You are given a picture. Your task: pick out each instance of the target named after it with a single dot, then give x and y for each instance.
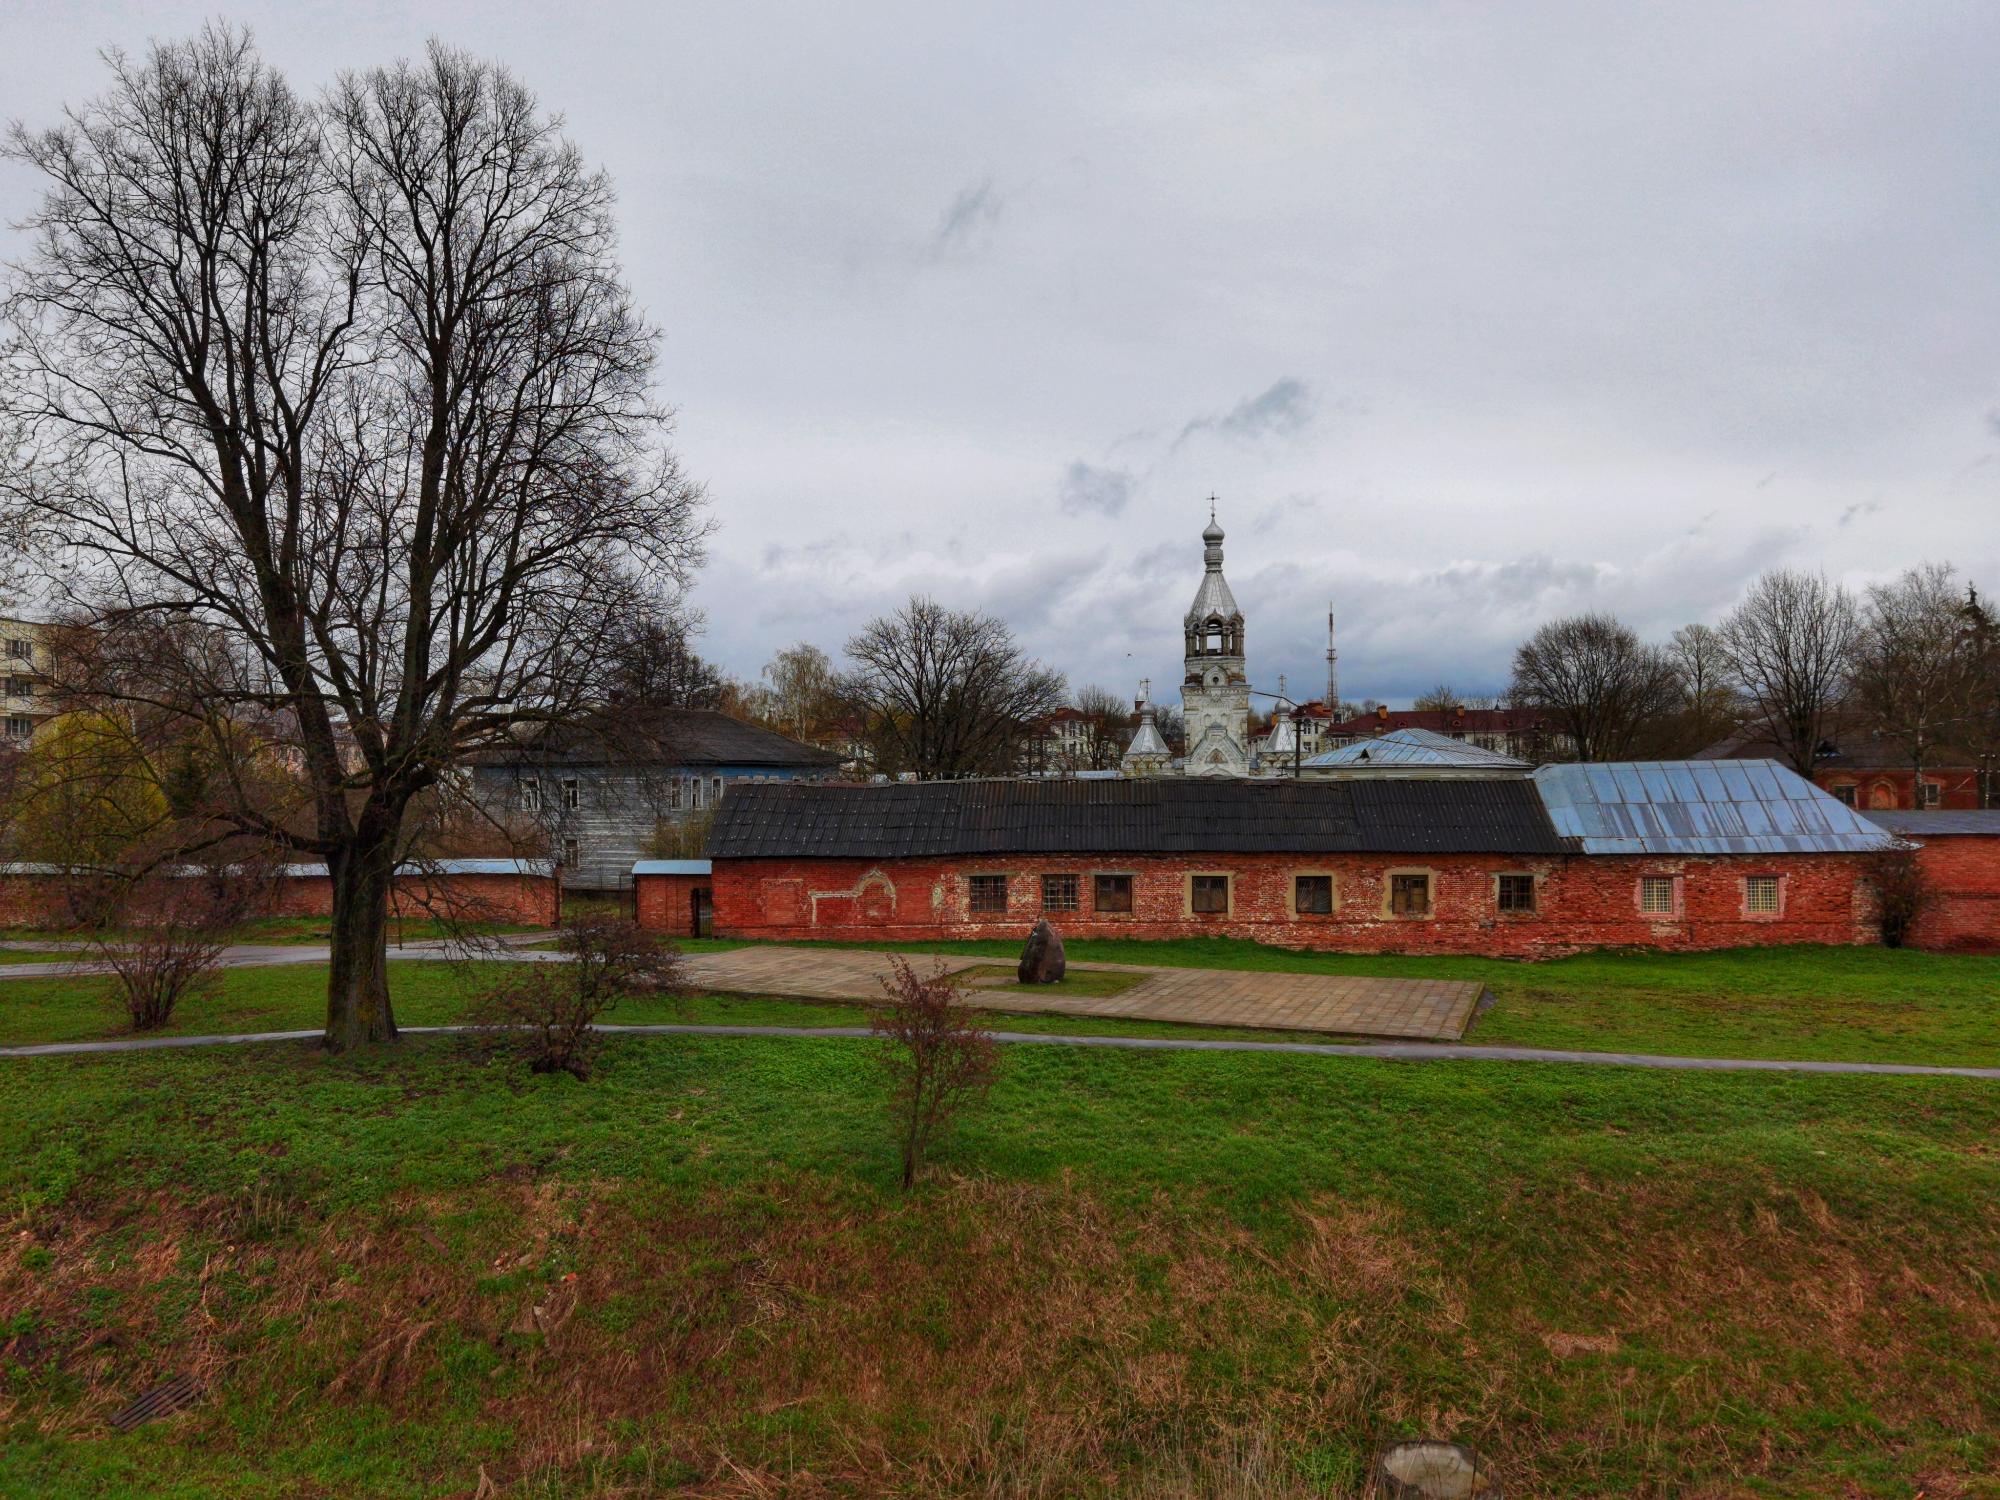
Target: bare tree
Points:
(654, 662)
(1600, 687)
(1107, 720)
(1710, 705)
(946, 692)
(354, 387)
(1981, 634)
(801, 693)
(1915, 672)
(1442, 698)
(941, 1056)
(1790, 645)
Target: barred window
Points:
(1761, 894)
(1517, 893)
(1208, 895)
(1410, 895)
(1059, 893)
(987, 892)
(1114, 893)
(1312, 895)
(1656, 895)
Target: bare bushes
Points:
(940, 1059)
(1902, 894)
(548, 1012)
(176, 922)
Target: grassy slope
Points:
(1160, 1274)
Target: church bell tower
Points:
(1215, 692)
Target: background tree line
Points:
(1799, 661)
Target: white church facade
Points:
(1215, 687)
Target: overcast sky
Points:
(1470, 315)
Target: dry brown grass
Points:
(1008, 1341)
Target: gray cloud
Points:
(1584, 319)
(1283, 410)
(967, 224)
(1086, 488)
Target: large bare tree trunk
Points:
(357, 988)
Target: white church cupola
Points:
(1215, 692)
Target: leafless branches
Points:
(941, 1058)
(945, 692)
(343, 403)
(1790, 645)
(1602, 688)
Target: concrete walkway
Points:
(1412, 1009)
(1395, 1051)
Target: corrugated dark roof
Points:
(1915, 823)
(1165, 816)
(667, 736)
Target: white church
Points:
(1215, 688)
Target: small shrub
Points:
(181, 921)
(940, 1059)
(1901, 894)
(549, 1011)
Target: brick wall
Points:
(1584, 901)
(524, 900)
(1963, 872)
(1887, 789)
(666, 902)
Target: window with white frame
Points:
(1656, 895)
(715, 792)
(572, 794)
(694, 793)
(19, 728)
(531, 795)
(1933, 794)
(1762, 895)
(572, 854)
(21, 650)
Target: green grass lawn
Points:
(419, 1272)
(1845, 1004)
(1822, 1003)
(1092, 983)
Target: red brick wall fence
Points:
(504, 891)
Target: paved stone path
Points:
(1344, 1005)
(1394, 1051)
(1417, 1009)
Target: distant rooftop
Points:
(1915, 823)
(1701, 807)
(1412, 750)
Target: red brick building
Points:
(1872, 771)
(1959, 855)
(1407, 865)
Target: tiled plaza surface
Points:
(1412, 1009)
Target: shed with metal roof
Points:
(1701, 807)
